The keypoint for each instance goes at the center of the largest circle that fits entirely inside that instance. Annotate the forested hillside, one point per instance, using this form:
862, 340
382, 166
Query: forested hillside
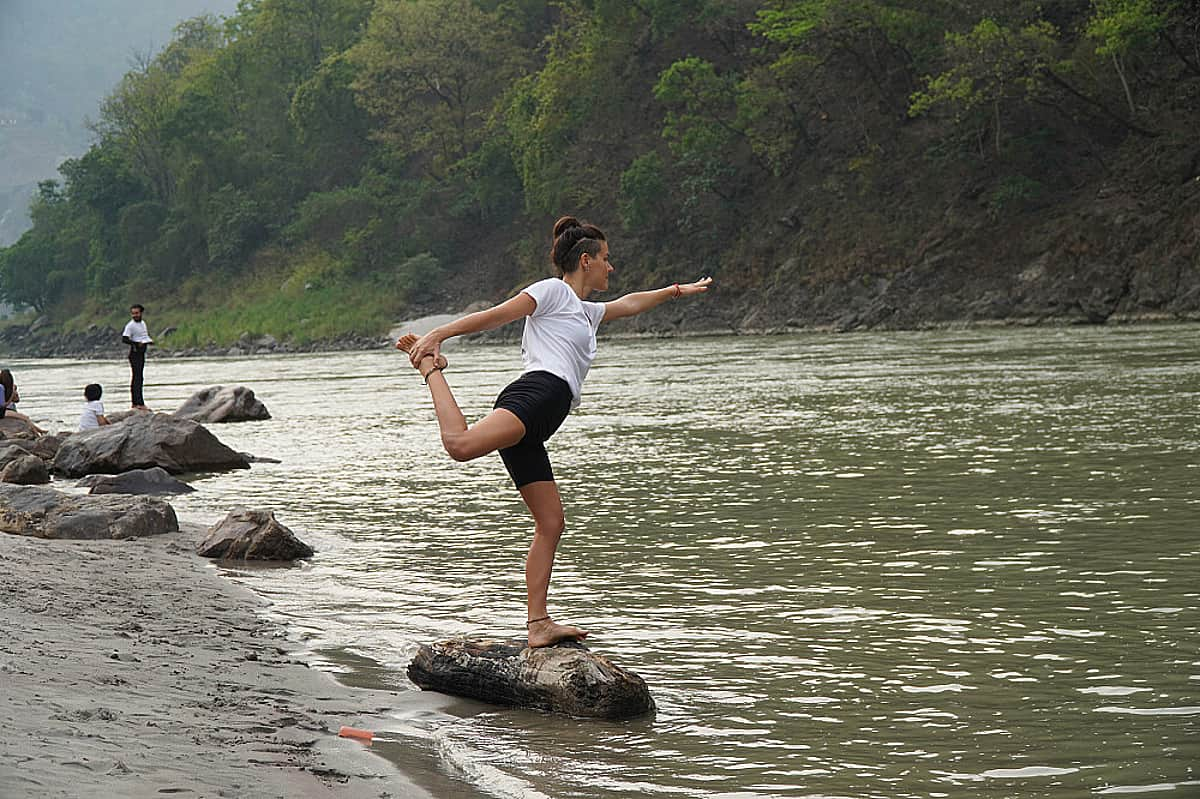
312, 168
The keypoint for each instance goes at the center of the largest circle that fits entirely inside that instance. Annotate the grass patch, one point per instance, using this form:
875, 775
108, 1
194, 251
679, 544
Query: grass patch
296, 300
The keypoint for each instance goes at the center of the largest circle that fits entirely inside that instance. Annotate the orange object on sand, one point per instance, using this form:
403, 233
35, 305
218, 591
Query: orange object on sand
354, 732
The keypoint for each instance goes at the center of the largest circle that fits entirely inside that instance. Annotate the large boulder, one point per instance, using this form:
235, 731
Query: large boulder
19, 465
564, 678
116, 417
25, 470
12, 427
11, 449
44, 447
154, 480
46, 513
142, 441
223, 404
252, 535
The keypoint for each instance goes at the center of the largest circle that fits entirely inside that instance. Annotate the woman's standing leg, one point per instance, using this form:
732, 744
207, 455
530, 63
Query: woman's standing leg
545, 504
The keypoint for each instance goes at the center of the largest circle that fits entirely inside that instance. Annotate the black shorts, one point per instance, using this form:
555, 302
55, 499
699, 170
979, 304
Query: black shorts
541, 401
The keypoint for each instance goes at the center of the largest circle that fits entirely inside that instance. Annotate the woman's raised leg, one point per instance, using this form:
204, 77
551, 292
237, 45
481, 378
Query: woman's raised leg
545, 504
499, 429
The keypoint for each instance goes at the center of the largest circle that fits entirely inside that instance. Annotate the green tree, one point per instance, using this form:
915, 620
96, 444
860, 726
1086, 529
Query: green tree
332, 129
236, 226
49, 259
990, 67
24, 268
132, 118
103, 180
548, 112
1122, 28
431, 72
643, 192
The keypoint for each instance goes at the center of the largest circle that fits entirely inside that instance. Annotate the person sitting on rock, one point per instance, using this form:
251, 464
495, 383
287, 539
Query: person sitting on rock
8, 403
558, 347
93, 409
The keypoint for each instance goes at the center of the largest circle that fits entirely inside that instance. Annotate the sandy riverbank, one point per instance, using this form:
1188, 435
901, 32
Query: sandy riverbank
133, 669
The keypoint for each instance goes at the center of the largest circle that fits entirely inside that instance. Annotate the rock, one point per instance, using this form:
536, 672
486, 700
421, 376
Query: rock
11, 450
46, 447
138, 481
252, 535
25, 470
223, 404
565, 678
46, 513
144, 440
120, 416
259, 458
11, 427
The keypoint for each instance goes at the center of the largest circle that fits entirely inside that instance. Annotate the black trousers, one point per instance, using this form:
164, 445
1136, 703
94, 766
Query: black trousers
137, 363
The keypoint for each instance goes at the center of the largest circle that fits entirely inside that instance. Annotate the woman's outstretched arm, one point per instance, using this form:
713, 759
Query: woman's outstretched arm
640, 301
498, 315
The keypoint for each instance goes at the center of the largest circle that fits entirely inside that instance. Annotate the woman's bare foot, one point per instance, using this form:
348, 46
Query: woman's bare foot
545, 632
405, 344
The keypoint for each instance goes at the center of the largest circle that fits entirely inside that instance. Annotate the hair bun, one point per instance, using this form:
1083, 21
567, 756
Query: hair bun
564, 224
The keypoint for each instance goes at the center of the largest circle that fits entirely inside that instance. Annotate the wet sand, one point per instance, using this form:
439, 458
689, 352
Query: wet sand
133, 669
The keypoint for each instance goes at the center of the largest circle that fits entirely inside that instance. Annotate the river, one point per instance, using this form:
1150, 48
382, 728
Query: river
935, 564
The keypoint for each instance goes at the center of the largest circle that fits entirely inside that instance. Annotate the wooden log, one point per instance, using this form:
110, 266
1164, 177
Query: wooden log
564, 678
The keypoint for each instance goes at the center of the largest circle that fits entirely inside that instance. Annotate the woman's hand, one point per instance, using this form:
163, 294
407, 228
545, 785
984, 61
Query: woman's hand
698, 287
428, 344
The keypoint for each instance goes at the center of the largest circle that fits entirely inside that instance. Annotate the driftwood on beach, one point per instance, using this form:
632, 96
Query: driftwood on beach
565, 678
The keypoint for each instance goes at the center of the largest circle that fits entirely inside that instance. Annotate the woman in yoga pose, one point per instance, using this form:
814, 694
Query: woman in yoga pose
557, 348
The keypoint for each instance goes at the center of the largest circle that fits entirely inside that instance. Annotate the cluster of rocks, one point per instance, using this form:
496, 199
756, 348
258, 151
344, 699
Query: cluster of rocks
123, 464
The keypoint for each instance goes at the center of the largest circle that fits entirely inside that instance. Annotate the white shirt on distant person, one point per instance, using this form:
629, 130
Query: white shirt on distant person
90, 418
136, 332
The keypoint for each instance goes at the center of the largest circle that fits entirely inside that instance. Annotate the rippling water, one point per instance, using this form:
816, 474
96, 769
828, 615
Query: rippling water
878, 565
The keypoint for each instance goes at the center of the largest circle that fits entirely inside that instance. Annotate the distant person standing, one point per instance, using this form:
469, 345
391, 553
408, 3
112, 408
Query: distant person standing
138, 339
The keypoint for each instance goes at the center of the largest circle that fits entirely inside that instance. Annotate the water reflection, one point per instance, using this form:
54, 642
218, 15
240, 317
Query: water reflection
935, 564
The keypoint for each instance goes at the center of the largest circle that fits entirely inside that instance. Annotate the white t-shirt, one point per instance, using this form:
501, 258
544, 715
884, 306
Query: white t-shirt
136, 331
90, 418
560, 335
